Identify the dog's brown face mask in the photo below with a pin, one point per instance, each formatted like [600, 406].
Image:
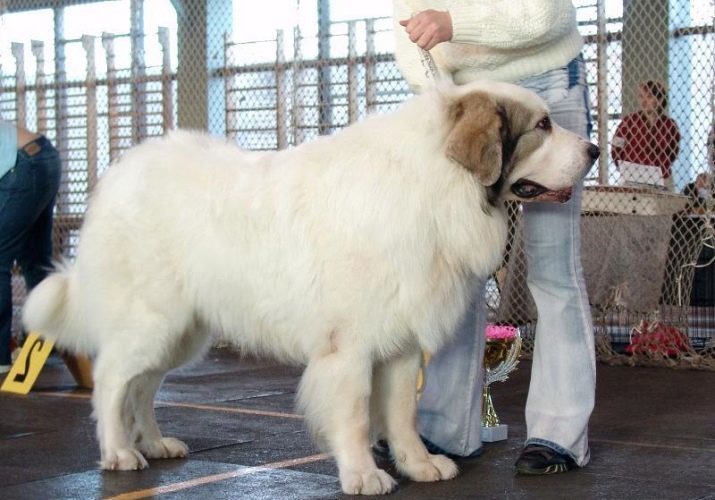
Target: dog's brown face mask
[506, 138]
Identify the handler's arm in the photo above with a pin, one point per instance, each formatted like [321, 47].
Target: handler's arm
[500, 24]
[406, 52]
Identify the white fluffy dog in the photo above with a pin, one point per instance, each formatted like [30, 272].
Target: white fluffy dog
[350, 254]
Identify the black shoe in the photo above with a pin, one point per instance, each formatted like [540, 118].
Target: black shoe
[436, 450]
[536, 459]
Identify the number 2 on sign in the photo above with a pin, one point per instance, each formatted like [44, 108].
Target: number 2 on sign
[27, 367]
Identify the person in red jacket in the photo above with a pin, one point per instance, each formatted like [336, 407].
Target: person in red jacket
[648, 136]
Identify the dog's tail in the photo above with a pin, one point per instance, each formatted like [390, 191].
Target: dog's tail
[52, 310]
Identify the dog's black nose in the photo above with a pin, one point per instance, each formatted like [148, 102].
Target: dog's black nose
[593, 151]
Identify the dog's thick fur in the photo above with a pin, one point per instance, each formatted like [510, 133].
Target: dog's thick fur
[350, 254]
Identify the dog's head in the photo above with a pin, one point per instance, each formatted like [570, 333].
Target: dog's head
[504, 135]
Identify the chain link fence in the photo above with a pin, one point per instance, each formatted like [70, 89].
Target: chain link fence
[99, 77]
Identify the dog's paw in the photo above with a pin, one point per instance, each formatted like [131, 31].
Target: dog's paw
[373, 482]
[124, 459]
[166, 447]
[435, 468]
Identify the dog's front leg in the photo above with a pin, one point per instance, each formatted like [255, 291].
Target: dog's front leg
[334, 394]
[395, 404]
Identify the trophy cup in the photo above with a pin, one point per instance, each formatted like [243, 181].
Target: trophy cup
[501, 355]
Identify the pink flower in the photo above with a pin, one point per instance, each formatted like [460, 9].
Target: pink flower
[500, 332]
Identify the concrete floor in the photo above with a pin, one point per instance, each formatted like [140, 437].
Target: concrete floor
[652, 436]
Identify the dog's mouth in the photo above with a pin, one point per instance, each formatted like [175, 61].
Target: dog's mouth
[532, 191]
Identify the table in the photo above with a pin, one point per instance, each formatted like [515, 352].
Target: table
[636, 262]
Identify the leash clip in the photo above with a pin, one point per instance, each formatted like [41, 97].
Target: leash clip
[428, 64]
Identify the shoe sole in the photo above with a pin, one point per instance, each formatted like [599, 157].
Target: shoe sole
[551, 469]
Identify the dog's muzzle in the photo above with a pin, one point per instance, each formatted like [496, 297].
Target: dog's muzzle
[532, 191]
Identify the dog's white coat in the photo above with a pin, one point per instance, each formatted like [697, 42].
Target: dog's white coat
[350, 254]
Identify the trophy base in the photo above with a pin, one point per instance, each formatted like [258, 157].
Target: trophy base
[496, 433]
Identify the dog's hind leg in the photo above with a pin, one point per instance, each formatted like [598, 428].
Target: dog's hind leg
[395, 405]
[143, 388]
[334, 394]
[145, 430]
[113, 412]
[127, 374]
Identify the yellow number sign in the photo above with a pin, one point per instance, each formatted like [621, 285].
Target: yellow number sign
[27, 367]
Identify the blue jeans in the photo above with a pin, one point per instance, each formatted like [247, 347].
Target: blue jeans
[27, 198]
[563, 376]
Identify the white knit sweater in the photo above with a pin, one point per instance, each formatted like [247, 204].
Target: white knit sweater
[492, 39]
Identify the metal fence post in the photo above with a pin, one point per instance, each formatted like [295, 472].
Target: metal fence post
[281, 111]
[353, 108]
[91, 111]
[38, 50]
[167, 97]
[113, 125]
[136, 32]
[230, 100]
[601, 82]
[297, 107]
[18, 52]
[370, 77]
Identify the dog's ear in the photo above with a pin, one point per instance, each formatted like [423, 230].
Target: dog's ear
[475, 137]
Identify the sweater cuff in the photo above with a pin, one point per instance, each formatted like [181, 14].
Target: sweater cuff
[466, 23]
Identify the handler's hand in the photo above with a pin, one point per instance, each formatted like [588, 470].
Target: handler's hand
[429, 27]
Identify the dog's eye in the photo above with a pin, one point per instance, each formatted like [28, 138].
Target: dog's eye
[544, 123]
